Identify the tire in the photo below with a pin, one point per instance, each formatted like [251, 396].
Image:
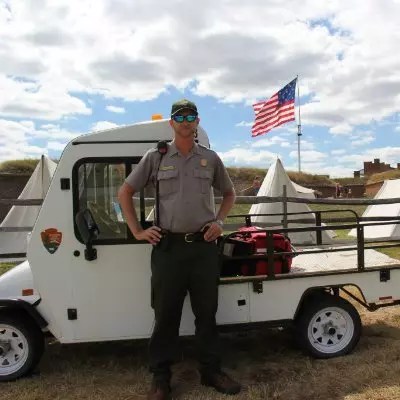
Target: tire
[21, 346]
[328, 327]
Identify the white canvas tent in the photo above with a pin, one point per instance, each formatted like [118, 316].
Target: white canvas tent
[272, 186]
[390, 189]
[304, 192]
[23, 216]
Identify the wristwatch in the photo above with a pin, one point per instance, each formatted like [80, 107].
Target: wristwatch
[219, 222]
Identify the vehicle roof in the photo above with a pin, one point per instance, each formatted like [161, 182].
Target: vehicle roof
[148, 130]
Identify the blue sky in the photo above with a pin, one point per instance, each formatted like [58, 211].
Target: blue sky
[77, 67]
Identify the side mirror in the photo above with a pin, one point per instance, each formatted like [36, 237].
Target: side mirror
[89, 231]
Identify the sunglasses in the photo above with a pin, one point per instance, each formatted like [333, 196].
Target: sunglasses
[181, 118]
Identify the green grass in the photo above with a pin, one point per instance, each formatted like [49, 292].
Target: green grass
[393, 252]
[4, 267]
[26, 166]
[382, 176]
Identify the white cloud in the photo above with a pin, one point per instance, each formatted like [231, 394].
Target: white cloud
[20, 151]
[49, 126]
[57, 146]
[291, 130]
[16, 138]
[244, 123]
[310, 156]
[114, 109]
[58, 50]
[103, 125]
[355, 160]
[397, 129]
[338, 152]
[389, 155]
[247, 157]
[36, 100]
[306, 145]
[12, 132]
[54, 132]
[341, 129]
[272, 141]
[362, 141]
[323, 169]
[33, 151]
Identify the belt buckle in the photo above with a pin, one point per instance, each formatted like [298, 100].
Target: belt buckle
[186, 238]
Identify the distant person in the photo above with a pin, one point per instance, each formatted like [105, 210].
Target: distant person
[337, 191]
[345, 191]
[349, 193]
[256, 185]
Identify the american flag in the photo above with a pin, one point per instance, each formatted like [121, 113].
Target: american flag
[276, 111]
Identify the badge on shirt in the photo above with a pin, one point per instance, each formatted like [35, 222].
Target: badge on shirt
[167, 168]
[203, 162]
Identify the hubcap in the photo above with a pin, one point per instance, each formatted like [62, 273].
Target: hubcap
[5, 347]
[330, 330]
[14, 350]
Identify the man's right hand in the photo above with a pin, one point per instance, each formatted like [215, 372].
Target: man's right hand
[151, 235]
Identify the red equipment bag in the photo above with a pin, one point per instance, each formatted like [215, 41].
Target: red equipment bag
[250, 241]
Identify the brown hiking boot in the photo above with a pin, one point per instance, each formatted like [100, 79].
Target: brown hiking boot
[160, 390]
[221, 382]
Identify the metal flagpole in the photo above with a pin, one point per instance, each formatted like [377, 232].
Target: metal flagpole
[299, 125]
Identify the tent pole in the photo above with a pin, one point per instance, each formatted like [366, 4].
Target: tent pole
[284, 205]
[42, 162]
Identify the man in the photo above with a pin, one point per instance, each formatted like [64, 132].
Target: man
[185, 255]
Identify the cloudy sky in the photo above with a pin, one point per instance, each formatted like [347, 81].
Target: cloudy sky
[70, 67]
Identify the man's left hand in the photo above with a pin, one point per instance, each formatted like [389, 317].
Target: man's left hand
[214, 231]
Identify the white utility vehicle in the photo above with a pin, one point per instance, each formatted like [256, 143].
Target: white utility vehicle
[87, 279]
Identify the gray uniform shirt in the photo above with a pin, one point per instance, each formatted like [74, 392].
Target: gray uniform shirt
[186, 196]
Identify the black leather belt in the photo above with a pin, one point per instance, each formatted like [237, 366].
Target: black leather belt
[186, 237]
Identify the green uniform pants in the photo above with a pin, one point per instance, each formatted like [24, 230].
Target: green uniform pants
[179, 269]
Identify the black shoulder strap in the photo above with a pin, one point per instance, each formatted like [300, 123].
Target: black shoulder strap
[162, 148]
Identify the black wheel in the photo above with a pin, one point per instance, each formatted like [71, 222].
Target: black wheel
[328, 326]
[21, 346]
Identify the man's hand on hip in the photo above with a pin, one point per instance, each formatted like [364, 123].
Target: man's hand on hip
[151, 235]
[213, 232]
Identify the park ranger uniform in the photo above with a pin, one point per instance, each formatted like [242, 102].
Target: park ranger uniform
[183, 262]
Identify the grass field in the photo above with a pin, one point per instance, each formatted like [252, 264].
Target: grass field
[269, 364]
[5, 267]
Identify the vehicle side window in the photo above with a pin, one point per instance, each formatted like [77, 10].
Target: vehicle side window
[98, 185]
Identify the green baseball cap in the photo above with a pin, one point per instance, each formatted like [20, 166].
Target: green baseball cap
[183, 105]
